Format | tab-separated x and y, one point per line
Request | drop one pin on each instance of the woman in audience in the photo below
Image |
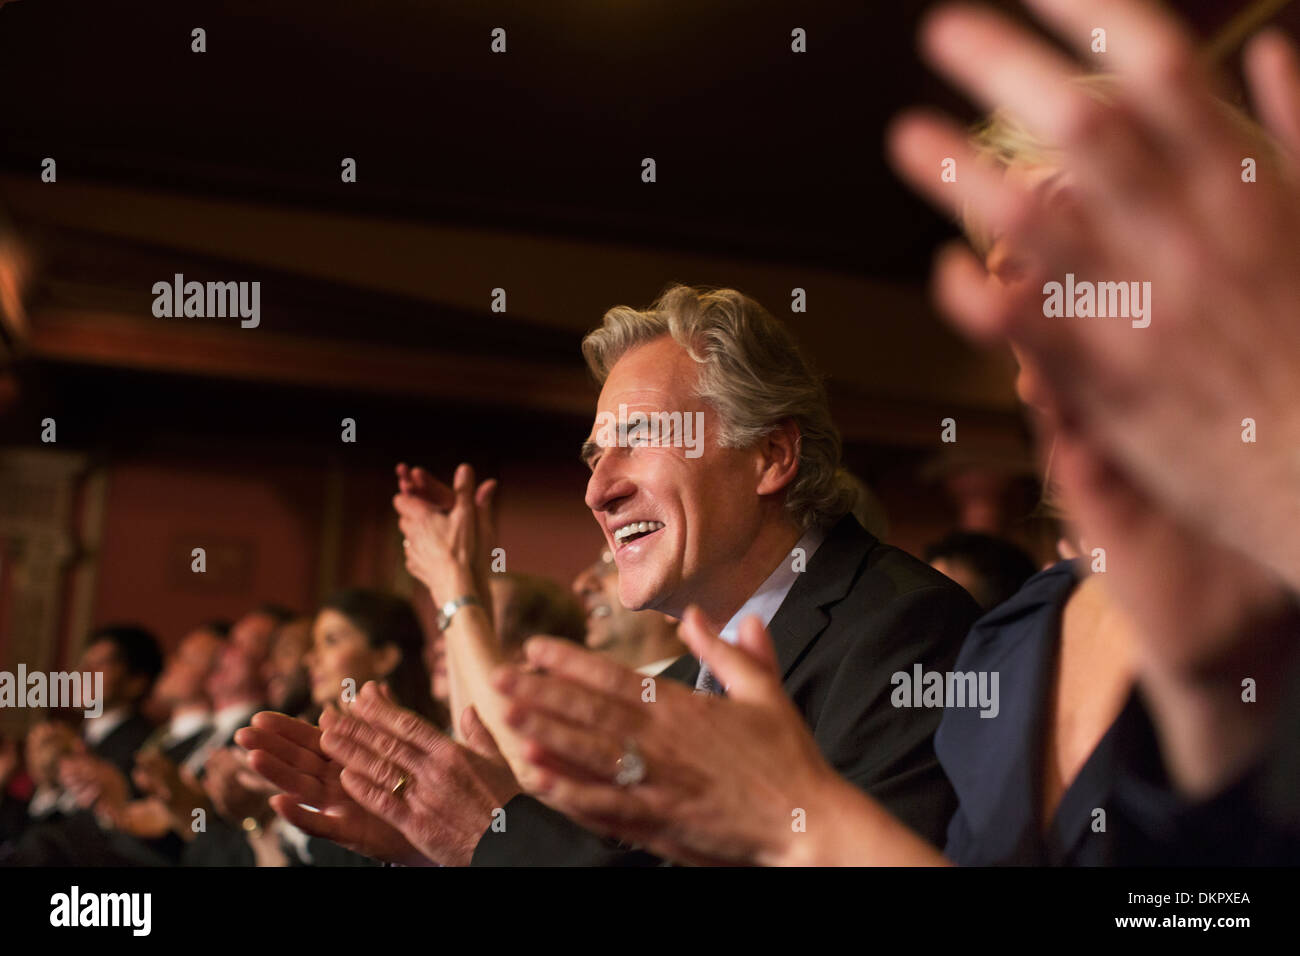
357	636
361	635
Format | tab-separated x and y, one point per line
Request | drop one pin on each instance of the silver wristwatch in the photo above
448	610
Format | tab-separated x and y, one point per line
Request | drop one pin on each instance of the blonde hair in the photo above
1004	141
751	374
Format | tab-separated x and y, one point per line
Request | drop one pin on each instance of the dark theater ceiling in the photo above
475	171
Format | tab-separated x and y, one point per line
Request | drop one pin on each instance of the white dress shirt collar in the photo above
771	593
186	724
656	667
95	729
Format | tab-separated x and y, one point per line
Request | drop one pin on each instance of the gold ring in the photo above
400	787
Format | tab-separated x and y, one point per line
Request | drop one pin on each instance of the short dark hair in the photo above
219	627
1001	566
277	612
139	650
539	606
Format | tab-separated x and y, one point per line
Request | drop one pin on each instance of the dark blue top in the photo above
995	764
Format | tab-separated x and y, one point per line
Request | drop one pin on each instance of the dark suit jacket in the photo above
119	747
860	612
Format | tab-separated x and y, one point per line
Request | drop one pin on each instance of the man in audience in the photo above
288	685
99	765
130	660
1200	782
644	640
756	523
525	604
182	691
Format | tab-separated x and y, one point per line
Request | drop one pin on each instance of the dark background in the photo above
475	171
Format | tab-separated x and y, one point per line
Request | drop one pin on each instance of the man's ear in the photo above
780	457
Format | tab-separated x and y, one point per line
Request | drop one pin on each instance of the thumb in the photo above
755	641
477	737
485	501
748	671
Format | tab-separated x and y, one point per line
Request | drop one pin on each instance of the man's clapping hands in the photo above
349	768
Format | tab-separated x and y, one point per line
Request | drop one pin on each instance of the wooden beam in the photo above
189	348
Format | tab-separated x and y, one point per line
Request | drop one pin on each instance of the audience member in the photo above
644	640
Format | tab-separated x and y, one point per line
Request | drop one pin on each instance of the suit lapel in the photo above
801	618
829	576
685	669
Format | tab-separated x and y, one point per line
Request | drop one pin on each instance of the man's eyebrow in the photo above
589	449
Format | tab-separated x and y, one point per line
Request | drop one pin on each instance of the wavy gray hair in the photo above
753	376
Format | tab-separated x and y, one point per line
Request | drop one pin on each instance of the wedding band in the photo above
400	787
405	543
631	766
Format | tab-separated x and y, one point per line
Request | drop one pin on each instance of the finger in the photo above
429	487
477	737
412	507
378	800
485	515
557	744
317	824
381	713
921	142
1001	64
292	781
571	702
969	297
753	639
463	485
291	728
1273	71
1109	144
607	809
311	762
566	659
365	750
1150	49
743	676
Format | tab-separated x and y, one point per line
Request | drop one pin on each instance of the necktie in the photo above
706	682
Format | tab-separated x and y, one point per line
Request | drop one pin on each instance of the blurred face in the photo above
705	510
960	572
45	746
597	591
236	676
253	633
185	676
119	686
435	659
339	652
285	672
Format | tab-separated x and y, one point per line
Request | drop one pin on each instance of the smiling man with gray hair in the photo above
758	524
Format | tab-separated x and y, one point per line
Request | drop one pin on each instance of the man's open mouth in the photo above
633	530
